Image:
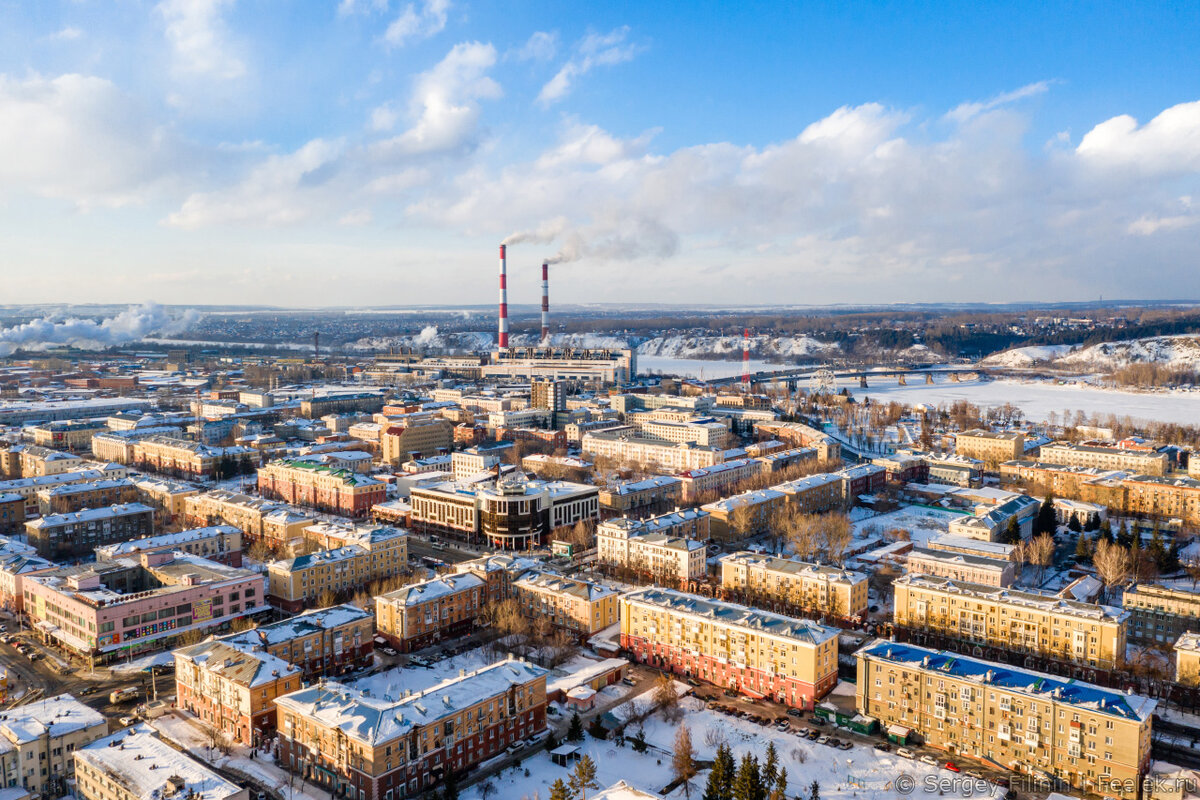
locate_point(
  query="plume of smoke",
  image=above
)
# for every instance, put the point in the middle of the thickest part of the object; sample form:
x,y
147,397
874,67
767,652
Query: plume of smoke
x,y
545,233
136,322
427,336
621,241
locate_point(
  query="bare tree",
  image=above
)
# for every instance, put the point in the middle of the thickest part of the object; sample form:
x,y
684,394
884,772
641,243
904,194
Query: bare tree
x,y
836,533
683,760
666,699
1041,553
742,520
1113,564
1192,568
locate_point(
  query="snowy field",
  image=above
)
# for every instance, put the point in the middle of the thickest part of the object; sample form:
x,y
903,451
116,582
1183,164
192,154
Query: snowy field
x,y
922,523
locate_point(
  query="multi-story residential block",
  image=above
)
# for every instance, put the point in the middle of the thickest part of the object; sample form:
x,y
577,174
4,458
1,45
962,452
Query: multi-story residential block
x,y
168,498
232,687
1105,457
135,764
654,495
74,435
778,459
42,740
1161,614
681,426
992,449
336,491
813,493
755,652
989,523
37,462
670,546
580,607
479,459
318,407
323,642
110,609
411,436
15,564
953,469
284,526
231,508
972,547
510,513
387,546
14,413
220,543
717,478
861,479
186,459
1095,739
993,572
423,613
348,740
118,445
498,573
1048,626
12,513
1187,659
295,583
903,468
66,536
744,514
28,488
69,497
812,587
623,444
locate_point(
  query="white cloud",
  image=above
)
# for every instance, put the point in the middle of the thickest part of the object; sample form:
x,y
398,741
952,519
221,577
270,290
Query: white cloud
x,y
383,118
966,111
417,23
1148,225
1168,143
593,50
347,8
198,36
542,46
445,103
79,138
67,34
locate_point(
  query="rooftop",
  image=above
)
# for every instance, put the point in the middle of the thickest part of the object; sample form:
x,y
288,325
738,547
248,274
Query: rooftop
x,y
1035,600
140,762
57,716
801,630
90,514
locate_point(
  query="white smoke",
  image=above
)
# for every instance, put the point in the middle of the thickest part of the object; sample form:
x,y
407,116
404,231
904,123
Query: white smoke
x,y
427,336
623,240
545,233
136,322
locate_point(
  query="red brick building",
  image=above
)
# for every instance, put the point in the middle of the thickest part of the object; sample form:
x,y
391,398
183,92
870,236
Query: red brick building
x,y
337,491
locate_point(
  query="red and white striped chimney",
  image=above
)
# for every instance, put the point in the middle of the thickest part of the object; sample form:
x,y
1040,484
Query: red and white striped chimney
x,y
503,297
746,357
546,302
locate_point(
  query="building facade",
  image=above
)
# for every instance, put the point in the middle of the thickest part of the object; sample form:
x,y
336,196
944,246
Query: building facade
x,y
61,537
1161,614
336,491
992,572
577,606
812,587
416,616
993,449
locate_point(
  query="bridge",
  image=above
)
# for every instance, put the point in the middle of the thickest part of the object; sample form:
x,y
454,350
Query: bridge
x,y
901,374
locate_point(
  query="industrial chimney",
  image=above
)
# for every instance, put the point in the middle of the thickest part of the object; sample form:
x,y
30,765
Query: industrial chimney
x,y
503,298
746,359
546,303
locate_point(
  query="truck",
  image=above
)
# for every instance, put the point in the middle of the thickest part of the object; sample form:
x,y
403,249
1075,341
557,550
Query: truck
x,y
121,695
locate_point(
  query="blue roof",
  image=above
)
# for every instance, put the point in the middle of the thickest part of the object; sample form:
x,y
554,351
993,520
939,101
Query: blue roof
x,y
1027,682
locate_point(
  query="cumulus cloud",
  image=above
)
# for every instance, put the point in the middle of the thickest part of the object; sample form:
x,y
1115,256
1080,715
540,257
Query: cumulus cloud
x,y
417,22
1168,143
199,38
593,50
542,46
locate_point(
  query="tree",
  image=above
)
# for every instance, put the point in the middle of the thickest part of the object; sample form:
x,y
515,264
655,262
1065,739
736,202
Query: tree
x,y
639,741
1112,562
450,786
1047,520
683,760
747,785
1041,552
720,778
814,791
328,598
575,729
770,768
666,699
779,792
559,790
742,520
1012,531
1083,549
837,533
583,777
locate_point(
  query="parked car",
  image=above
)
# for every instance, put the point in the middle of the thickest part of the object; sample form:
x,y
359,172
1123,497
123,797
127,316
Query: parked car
x,y
127,721
812,734
950,765
883,747
973,774
693,682
818,721
904,752
795,712
846,745
822,740
783,726
514,748
930,760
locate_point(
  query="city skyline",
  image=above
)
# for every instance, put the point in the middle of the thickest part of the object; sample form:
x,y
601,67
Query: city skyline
x,y
215,152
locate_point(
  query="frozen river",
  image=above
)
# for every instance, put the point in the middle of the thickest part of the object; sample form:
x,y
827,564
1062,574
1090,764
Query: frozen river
x,y
1036,398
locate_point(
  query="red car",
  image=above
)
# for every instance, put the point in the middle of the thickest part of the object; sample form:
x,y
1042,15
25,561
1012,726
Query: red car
x,y
950,765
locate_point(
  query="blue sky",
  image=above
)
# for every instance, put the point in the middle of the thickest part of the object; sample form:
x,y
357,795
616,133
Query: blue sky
x,y
374,152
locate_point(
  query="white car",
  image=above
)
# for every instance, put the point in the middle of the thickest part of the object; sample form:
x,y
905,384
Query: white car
x,y
127,721
904,752
930,760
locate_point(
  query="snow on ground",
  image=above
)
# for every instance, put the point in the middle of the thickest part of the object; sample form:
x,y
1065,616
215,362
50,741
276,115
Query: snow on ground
x,y
1027,356
921,523
781,347
699,368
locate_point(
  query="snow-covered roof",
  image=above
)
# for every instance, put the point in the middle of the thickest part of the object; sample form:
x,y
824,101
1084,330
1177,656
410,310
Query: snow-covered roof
x,y
237,662
434,589
800,630
286,630
57,716
150,769
1059,606
90,514
165,540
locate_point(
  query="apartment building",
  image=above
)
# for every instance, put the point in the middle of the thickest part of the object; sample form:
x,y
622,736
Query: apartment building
x,y
36,461
745,514
993,449
681,426
418,615
1095,739
74,435
653,495
336,491
468,463
954,469
168,498
1161,614
1048,626
42,740
318,407
404,439
135,764
12,513
68,497
696,482
989,523
498,573
223,507
388,546
815,588
376,746
1187,659
60,537
15,565
295,583
118,445
1105,457
961,567
232,688
510,513
754,652
670,545
115,609
220,543
577,606
972,547
623,445
182,458
813,493
28,488
323,642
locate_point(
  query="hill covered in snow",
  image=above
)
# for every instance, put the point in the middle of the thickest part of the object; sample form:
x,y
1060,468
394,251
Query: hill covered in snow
x,y
1182,351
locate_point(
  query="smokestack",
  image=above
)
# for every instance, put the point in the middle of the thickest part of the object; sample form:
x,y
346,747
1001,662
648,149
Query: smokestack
x,y
503,297
546,302
316,344
746,358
